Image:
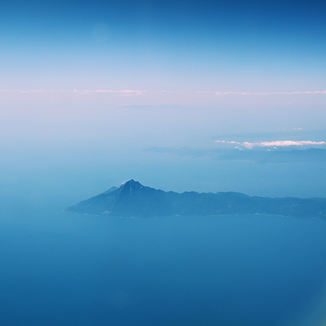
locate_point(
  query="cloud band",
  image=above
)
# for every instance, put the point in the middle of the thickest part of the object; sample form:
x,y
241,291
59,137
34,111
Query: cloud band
x,y
275,143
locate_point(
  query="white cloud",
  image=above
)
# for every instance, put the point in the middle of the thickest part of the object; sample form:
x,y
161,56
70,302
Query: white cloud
x,y
141,92
275,143
267,93
25,91
126,92
75,91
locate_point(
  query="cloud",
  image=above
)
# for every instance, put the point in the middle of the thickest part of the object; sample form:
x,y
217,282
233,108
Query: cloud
x,y
142,92
75,91
25,91
288,155
267,93
275,143
126,92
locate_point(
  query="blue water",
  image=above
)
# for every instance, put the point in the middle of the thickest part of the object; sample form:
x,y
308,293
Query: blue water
x,y
63,269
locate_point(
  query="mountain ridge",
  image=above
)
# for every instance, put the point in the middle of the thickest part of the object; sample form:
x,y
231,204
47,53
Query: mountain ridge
x,y
133,199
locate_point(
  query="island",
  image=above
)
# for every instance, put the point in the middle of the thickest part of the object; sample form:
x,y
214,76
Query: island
x,y
132,199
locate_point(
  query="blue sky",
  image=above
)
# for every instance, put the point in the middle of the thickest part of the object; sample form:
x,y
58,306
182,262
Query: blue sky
x,y
164,45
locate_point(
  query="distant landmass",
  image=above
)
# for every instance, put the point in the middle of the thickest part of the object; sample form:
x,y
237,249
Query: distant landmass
x,y
132,199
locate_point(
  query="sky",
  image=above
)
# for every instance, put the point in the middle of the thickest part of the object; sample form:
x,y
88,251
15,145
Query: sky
x,y
107,85
156,46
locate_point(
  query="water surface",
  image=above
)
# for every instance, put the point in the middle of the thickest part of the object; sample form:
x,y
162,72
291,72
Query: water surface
x,y
59,268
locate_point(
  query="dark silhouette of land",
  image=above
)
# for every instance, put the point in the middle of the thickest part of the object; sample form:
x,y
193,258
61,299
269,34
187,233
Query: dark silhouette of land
x,y
134,199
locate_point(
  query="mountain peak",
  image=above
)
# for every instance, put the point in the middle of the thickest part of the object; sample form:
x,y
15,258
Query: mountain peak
x,y
131,182
131,185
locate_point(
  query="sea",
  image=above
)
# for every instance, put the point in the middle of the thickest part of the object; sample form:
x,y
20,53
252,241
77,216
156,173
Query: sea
x,y
61,268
